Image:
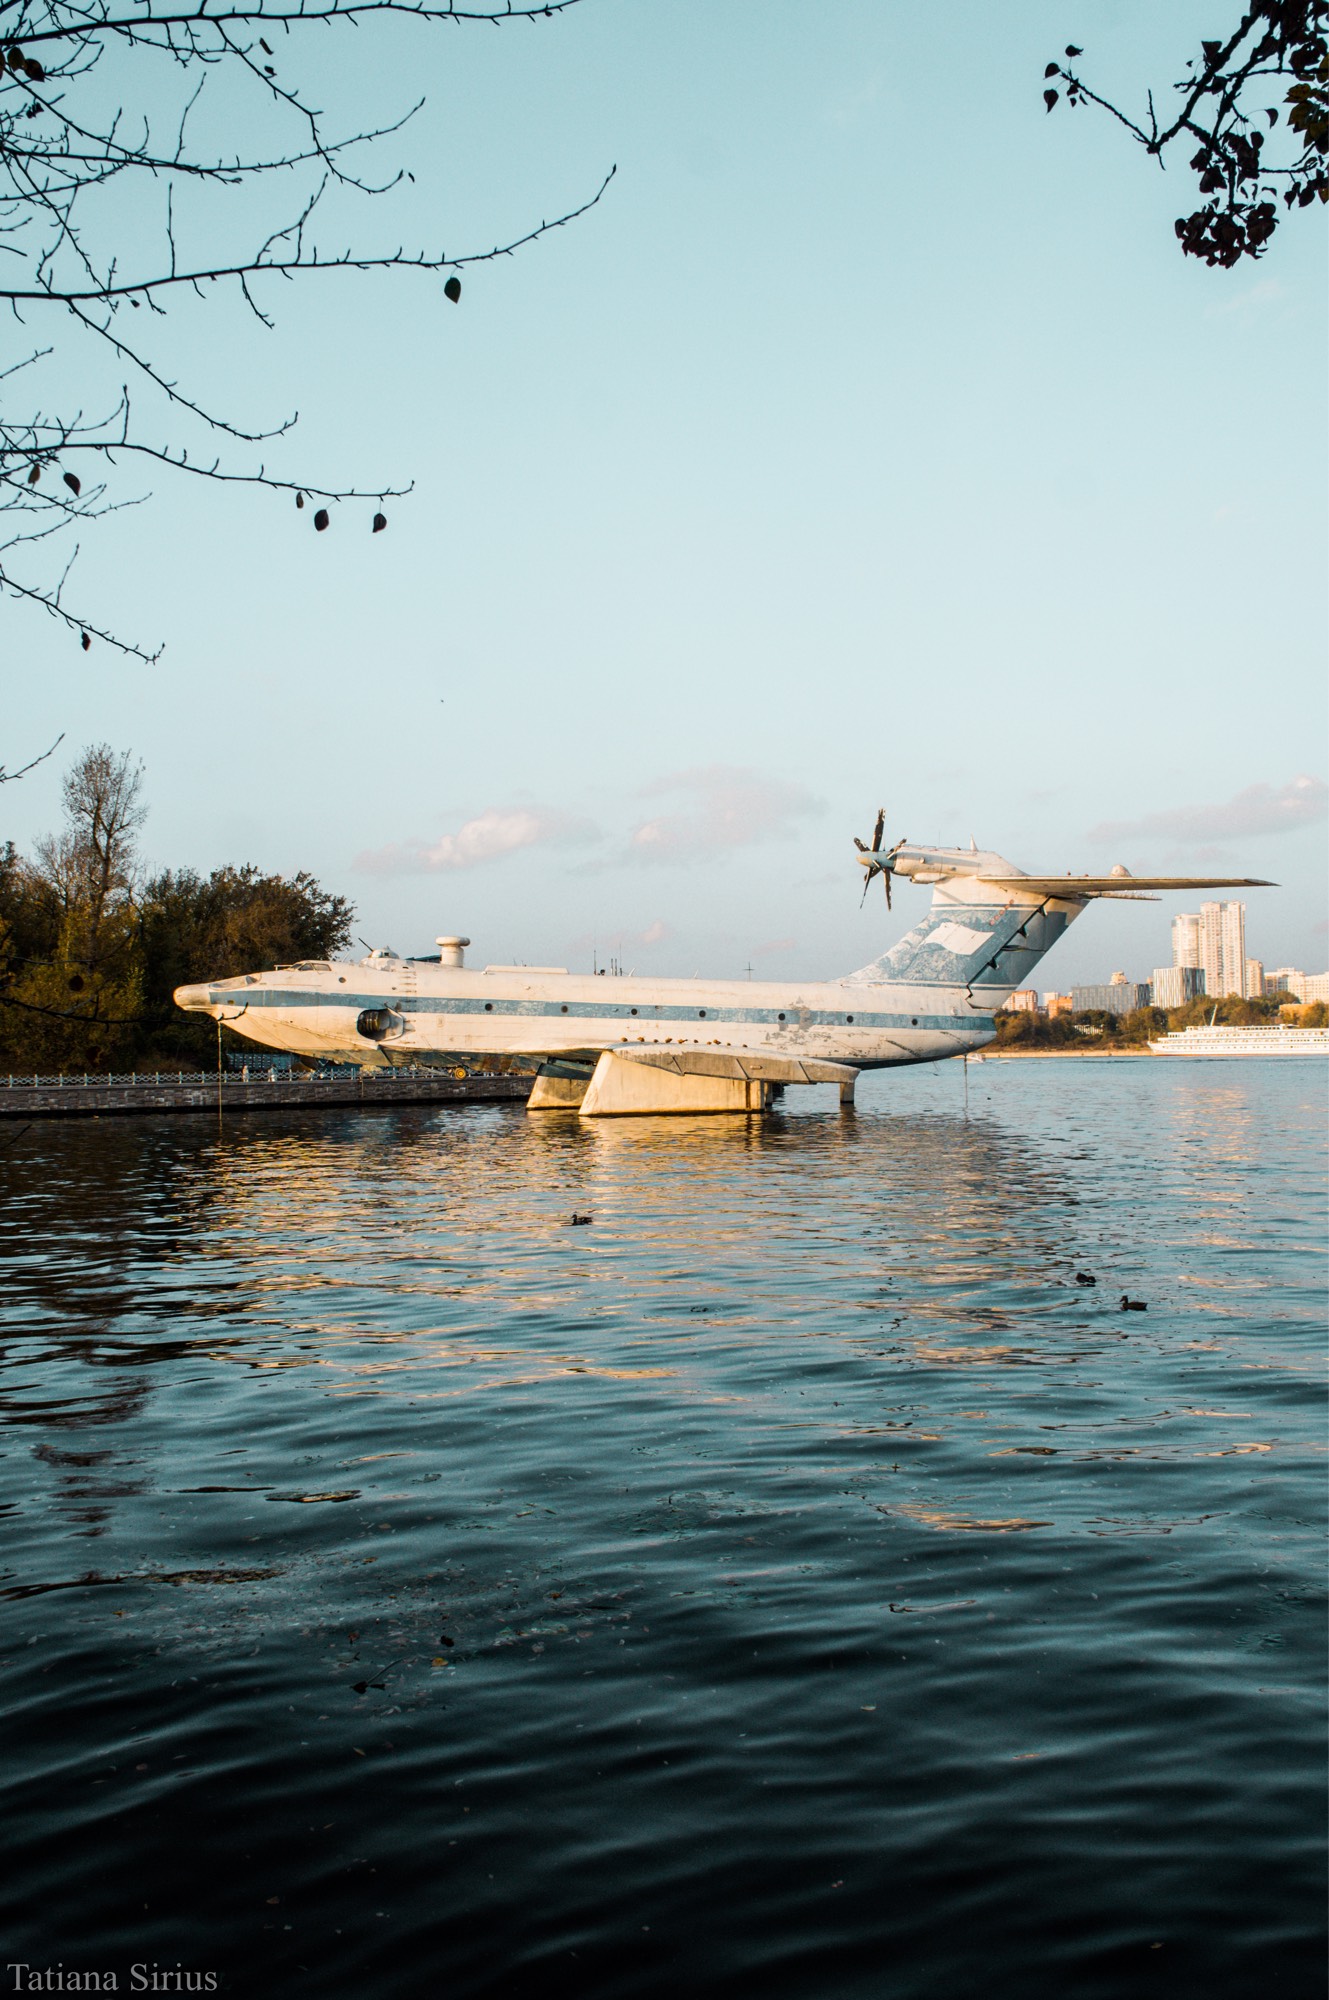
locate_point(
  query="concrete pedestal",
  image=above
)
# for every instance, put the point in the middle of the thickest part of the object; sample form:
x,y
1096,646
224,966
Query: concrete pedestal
x,y
553,1091
624,1089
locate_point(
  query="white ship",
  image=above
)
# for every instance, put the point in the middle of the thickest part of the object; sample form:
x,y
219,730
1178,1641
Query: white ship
x,y
1215,1041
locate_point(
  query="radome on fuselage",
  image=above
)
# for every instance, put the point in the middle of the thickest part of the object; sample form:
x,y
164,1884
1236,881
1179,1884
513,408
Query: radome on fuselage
x,y
656,1044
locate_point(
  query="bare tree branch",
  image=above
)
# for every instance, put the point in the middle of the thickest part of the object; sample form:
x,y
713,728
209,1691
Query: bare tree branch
x,y
8,777
62,255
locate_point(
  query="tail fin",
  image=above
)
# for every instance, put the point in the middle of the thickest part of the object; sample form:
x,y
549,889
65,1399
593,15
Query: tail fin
x,y
987,929
989,924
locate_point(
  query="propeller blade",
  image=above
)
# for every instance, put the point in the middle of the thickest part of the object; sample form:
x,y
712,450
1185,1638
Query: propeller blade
x,y
886,873
867,884
876,831
859,845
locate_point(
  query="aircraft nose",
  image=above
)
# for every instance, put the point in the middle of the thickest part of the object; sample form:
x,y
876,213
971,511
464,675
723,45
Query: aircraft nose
x,y
194,999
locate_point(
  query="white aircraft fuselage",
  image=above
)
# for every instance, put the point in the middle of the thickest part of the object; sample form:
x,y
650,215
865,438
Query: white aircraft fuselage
x,y
686,1044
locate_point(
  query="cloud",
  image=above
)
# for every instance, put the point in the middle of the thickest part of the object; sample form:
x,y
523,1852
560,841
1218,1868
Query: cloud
x,y
492,835
598,940
1259,809
720,808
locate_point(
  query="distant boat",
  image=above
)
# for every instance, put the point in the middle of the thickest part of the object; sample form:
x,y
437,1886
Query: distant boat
x,y
1214,1041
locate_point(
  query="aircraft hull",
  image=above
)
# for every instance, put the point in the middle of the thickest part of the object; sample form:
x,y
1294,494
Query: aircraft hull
x,y
424,1014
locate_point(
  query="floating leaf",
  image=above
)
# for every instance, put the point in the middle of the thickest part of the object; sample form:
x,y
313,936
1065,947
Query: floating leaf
x,y
321,519
452,290
1050,97
380,523
72,482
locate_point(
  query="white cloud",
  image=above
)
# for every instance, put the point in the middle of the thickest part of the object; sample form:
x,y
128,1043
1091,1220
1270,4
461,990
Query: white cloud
x,y
492,835
1259,809
720,808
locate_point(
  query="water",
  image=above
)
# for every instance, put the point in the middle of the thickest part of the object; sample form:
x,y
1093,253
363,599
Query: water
x,y
791,1582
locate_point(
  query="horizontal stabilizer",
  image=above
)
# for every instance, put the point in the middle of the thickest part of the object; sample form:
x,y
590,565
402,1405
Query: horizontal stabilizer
x,y
1119,885
752,1065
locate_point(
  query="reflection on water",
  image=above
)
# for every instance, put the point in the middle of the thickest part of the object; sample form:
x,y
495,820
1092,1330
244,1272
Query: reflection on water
x,y
793,1573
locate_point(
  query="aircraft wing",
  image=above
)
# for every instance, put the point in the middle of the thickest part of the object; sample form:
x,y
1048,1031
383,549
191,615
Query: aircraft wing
x,y
752,1064
1120,885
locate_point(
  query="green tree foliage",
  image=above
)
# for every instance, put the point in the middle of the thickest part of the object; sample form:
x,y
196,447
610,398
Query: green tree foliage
x,y
91,953
237,920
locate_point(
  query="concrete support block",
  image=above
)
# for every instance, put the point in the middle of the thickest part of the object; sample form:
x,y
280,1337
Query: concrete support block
x,y
847,1094
552,1092
623,1089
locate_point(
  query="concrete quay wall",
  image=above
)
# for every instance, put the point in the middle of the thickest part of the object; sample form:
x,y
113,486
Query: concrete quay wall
x,y
103,1096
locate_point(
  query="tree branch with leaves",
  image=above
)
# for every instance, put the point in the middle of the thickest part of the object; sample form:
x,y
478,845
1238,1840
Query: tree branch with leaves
x,y
1224,111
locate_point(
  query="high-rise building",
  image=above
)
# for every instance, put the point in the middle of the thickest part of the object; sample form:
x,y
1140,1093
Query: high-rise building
x,y
1315,986
1254,986
1174,985
1223,948
1186,939
1058,1003
1119,996
1289,979
1023,1002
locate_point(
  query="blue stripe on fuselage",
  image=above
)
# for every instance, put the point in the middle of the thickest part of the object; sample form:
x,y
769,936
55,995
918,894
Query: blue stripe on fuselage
x,y
591,1010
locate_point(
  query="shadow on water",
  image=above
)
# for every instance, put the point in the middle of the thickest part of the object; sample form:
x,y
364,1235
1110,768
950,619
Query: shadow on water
x,y
790,1576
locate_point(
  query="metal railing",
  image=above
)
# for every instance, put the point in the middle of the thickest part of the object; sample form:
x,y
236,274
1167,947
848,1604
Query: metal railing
x,y
209,1078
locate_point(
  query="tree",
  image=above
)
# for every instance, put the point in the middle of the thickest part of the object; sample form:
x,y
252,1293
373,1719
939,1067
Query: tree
x,y
1224,112
237,920
90,955
91,866
81,164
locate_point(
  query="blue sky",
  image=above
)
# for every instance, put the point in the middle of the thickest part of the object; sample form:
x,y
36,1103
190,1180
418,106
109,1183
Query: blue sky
x,y
870,443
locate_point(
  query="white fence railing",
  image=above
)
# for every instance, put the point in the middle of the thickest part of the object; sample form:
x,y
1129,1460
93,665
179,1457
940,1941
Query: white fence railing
x,y
145,1079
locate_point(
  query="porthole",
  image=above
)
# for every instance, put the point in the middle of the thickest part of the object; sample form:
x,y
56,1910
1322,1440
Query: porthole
x,y
850,1019
562,1010
701,1013
779,1017
342,980
632,1010
489,1006
914,1022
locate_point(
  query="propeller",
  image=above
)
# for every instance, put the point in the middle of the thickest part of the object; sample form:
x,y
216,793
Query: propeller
x,y
876,862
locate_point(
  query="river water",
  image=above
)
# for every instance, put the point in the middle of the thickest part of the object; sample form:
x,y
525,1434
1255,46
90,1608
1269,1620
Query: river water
x,y
791,1581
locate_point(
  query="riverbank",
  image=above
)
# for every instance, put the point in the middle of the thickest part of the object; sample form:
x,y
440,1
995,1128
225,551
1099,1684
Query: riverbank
x,y
1057,1055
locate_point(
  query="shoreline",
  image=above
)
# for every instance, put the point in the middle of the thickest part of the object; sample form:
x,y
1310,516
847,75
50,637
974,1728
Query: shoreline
x,y
1059,1055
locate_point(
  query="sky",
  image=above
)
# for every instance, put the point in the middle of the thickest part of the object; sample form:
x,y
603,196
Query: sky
x,y
870,443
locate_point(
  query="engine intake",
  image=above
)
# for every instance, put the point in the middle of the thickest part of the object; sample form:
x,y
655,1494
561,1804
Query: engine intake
x,y
377,1023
